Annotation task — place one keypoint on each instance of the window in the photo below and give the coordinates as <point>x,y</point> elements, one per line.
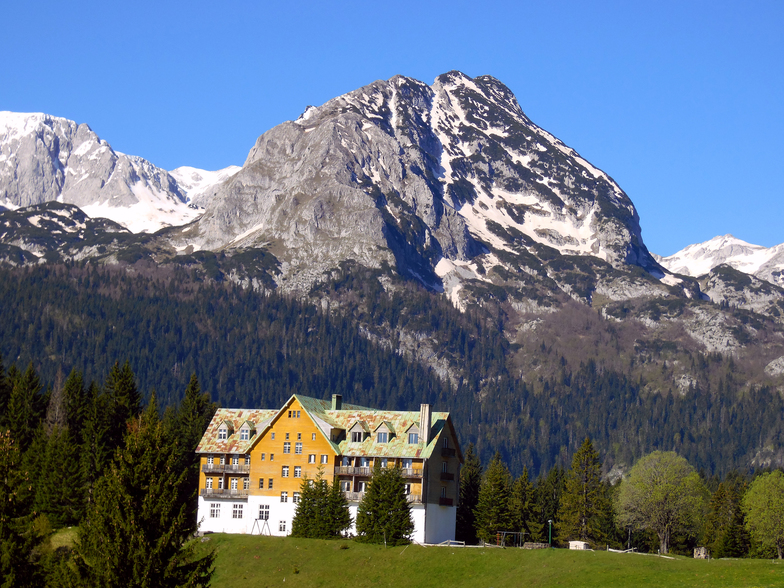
<point>356,436</point>
<point>244,434</point>
<point>297,414</point>
<point>287,436</point>
<point>297,472</point>
<point>324,459</point>
<point>443,491</point>
<point>313,437</point>
<point>246,483</point>
<point>361,486</point>
<point>210,459</point>
<point>446,441</point>
<point>220,483</point>
<point>247,460</point>
<point>298,448</point>
<point>408,464</point>
<point>289,414</point>
<point>272,457</point>
<point>272,435</point>
<point>284,496</point>
<point>346,461</point>
<point>413,438</point>
<point>407,489</point>
<point>263,456</point>
<point>299,436</point>
<point>234,483</point>
<point>222,433</point>
<point>384,462</point>
<point>282,526</point>
<point>287,447</point>
<point>215,510</point>
<point>444,466</point>
<point>261,483</point>
<point>264,512</point>
<point>285,472</point>
<point>295,498</point>
<point>209,483</point>
<point>269,486</point>
<point>236,511</point>
<point>383,437</point>
<point>364,462</point>
<point>235,460</point>
<point>345,485</point>
<point>312,458</point>
<point>223,460</point>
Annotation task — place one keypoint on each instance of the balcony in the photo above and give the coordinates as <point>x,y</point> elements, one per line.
<point>417,498</point>
<point>446,476</point>
<point>445,501</point>
<point>411,473</point>
<point>353,471</point>
<point>447,452</point>
<point>223,493</point>
<point>228,468</point>
<point>357,496</point>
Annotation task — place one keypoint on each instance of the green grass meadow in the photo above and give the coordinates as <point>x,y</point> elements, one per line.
<point>253,561</point>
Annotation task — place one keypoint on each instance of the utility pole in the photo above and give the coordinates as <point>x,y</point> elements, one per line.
<point>550,522</point>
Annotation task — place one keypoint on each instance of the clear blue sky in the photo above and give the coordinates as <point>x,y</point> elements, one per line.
<point>681,102</point>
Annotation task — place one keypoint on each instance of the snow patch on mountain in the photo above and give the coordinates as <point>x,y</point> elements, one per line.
<point>196,183</point>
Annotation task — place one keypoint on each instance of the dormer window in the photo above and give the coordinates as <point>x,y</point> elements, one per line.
<point>413,438</point>
<point>356,436</point>
<point>223,434</point>
<point>382,437</point>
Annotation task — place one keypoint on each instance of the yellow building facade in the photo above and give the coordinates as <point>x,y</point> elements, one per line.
<point>253,463</point>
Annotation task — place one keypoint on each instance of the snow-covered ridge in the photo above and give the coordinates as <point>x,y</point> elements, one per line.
<point>698,259</point>
<point>45,158</point>
<point>195,182</point>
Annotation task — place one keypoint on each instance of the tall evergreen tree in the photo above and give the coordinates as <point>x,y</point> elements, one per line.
<point>492,508</point>
<point>96,450</point>
<point>522,506</point>
<point>194,414</point>
<point>725,534</point>
<point>123,401</point>
<point>548,499</point>
<point>584,507</point>
<point>75,400</point>
<point>384,515</point>
<point>24,407</point>
<point>59,491</point>
<point>322,511</point>
<point>470,483</point>
<point>17,539</point>
<point>5,391</point>
<point>136,531</point>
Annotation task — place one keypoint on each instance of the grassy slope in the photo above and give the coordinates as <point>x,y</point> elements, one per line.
<point>265,561</point>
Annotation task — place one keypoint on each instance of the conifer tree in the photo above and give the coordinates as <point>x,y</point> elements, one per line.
<point>725,535</point>
<point>24,407</point>
<point>322,511</point>
<point>75,402</point>
<point>548,498</point>
<point>59,487</point>
<point>383,514</point>
<point>96,451</point>
<point>492,507</point>
<point>522,506</point>
<point>194,414</point>
<point>17,539</point>
<point>470,483</point>
<point>5,391</point>
<point>123,401</point>
<point>136,531</point>
<point>584,507</point>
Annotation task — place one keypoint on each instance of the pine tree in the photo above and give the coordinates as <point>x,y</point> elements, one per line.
<point>384,515</point>
<point>725,535</point>
<point>75,402</point>
<point>123,401</point>
<point>17,539</point>
<point>194,414</point>
<point>584,507</point>
<point>136,531</point>
<point>322,511</point>
<point>470,483</point>
<point>59,486</point>
<point>548,498</point>
<point>24,407</point>
<point>95,449</point>
<point>522,506</point>
<point>5,391</point>
<point>492,508</point>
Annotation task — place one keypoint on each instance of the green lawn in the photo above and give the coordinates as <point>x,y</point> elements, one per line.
<point>251,561</point>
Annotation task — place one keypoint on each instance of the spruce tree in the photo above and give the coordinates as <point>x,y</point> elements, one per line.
<point>384,515</point>
<point>75,401</point>
<point>522,506</point>
<point>5,391</point>
<point>584,506</point>
<point>24,407</point>
<point>136,532</point>
<point>95,449</point>
<point>470,483</point>
<point>59,486</point>
<point>725,535</point>
<point>123,401</point>
<point>492,508</point>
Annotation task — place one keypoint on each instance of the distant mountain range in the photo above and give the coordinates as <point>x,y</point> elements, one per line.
<point>418,193</point>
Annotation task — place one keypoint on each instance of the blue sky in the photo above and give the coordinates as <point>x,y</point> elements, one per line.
<point>680,102</point>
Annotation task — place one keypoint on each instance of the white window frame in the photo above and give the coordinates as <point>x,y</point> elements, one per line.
<point>208,484</point>
<point>295,498</point>
<point>284,472</point>
<point>297,471</point>
<point>312,458</point>
<point>220,483</point>
<point>215,510</point>
<point>234,483</point>
<point>413,438</point>
<point>282,526</point>
<point>286,447</point>
<point>324,458</point>
<point>246,483</point>
<point>264,512</point>
<point>237,511</point>
<point>298,448</point>
<point>382,437</point>
<point>284,496</point>
<point>223,434</point>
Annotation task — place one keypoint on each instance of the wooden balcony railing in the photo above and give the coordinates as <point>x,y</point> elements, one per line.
<point>357,496</point>
<point>353,471</point>
<point>227,468</point>
<point>446,476</point>
<point>445,501</point>
<point>411,472</point>
<point>224,493</point>
<point>447,452</point>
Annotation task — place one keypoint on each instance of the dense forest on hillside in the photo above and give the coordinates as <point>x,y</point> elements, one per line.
<point>254,349</point>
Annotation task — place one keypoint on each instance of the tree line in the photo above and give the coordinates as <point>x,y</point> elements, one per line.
<point>662,504</point>
<point>96,457</point>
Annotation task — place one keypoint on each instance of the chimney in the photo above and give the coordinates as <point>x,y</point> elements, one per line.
<point>424,424</point>
<point>337,402</point>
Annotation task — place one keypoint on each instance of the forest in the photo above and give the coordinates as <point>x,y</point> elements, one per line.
<point>255,348</point>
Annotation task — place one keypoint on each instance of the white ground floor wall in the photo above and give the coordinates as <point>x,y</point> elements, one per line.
<point>432,523</point>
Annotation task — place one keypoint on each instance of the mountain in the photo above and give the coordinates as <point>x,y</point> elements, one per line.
<point>699,259</point>
<point>45,158</point>
<point>198,184</point>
